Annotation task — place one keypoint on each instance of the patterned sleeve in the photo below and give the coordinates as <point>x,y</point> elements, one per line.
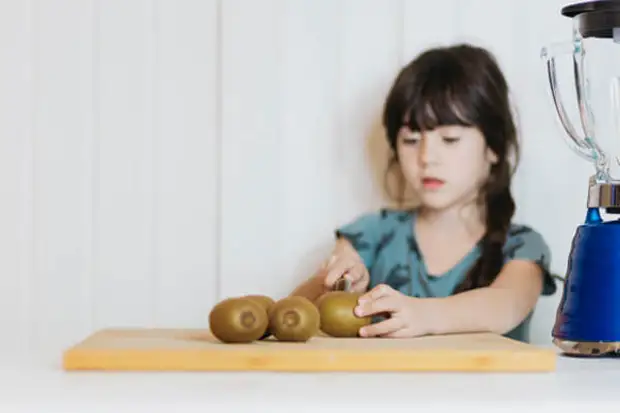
<point>524,243</point>
<point>363,233</point>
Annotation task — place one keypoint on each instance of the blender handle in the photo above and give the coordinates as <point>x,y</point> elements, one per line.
<point>584,147</point>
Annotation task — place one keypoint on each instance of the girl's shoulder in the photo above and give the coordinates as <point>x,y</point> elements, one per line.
<point>521,237</point>
<point>523,242</point>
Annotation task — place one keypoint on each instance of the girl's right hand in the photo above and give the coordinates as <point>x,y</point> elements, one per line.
<point>345,261</point>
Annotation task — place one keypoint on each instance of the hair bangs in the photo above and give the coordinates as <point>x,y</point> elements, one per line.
<point>440,103</point>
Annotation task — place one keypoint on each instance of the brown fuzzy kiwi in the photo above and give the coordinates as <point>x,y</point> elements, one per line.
<point>267,302</point>
<point>337,316</point>
<point>294,318</point>
<point>238,320</point>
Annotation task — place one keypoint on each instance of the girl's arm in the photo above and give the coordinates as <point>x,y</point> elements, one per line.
<point>313,287</point>
<point>498,308</point>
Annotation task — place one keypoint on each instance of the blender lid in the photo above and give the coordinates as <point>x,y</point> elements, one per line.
<point>590,6</point>
<point>598,19</point>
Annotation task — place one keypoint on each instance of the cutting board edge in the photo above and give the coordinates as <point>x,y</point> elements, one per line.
<point>345,360</point>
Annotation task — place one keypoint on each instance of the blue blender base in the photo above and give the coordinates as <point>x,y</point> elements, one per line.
<point>589,311</point>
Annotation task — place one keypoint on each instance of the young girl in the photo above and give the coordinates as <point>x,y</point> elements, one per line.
<point>456,262</point>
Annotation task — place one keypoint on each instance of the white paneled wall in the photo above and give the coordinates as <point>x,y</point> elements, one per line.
<point>156,156</point>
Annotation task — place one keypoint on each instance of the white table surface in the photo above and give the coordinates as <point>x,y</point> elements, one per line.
<point>577,384</point>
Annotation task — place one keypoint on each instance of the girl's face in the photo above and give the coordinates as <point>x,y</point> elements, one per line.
<point>445,166</point>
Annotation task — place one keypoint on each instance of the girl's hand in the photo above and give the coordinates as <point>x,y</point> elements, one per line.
<point>407,316</point>
<point>346,261</point>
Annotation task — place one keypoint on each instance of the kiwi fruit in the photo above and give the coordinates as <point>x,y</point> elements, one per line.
<point>267,302</point>
<point>263,300</point>
<point>337,316</point>
<point>238,320</point>
<point>294,318</point>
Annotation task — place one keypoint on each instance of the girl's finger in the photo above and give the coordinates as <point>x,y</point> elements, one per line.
<point>338,268</point>
<point>381,290</point>
<point>389,326</point>
<point>360,286</point>
<point>385,304</point>
<point>328,262</point>
<point>357,273</point>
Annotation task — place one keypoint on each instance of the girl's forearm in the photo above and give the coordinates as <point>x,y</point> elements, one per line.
<point>312,288</point>
<point>489,309</point>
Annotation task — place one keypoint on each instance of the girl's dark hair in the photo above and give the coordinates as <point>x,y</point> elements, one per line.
<point>462,85</point>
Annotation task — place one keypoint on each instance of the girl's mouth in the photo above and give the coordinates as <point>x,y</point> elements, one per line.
<point>432,183</point>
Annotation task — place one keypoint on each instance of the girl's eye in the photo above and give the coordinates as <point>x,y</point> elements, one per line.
<point>410,141</point>
<point>450,139</point>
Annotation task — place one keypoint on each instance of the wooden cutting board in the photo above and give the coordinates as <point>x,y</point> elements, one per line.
<point>198,350</point>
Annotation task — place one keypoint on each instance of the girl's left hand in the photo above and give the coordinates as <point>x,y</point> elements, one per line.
<point>407,316</point>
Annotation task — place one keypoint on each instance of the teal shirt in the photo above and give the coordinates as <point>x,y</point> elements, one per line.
<point>385,240</point>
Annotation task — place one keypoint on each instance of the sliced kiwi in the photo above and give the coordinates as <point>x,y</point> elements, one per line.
<point>238,320</point>
<point>337,316</point>
<point>265,301</point>
<point>294,318</point>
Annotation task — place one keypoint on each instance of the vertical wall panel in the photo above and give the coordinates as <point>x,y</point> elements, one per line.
<point>186,145</point>
<point>61,290</point>
<point>252,178</point>
<point>370,49</point>
<point>123,189</point>
<point>428,24</point>
<point>311,135</point>
<point>16,110</point>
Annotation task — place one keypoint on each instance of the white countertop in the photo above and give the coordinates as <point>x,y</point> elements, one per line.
<point>577,384</point>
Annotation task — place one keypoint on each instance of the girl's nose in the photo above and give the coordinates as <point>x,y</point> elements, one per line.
<point>427,151</point>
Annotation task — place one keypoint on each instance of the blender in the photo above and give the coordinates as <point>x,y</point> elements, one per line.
<point>588,316</point>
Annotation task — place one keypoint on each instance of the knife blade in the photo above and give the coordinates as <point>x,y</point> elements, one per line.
<point>343,284</point>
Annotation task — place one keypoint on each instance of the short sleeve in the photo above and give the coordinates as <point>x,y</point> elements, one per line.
<point>524,243</point>
<point>363,234</point>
